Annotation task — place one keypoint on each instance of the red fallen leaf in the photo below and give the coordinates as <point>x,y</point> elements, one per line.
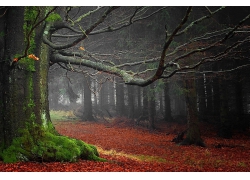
<point>15,59</point>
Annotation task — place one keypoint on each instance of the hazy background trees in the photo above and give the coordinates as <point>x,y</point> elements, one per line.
<point>208,66</point>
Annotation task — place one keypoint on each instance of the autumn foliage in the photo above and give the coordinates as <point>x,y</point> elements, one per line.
<point>135,149</point>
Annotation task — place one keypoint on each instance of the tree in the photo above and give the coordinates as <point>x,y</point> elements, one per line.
<point>87,111</point>
<point>168,114</point>
<point>36,37</point>
<point>27,133</point>
<point>193,133</point>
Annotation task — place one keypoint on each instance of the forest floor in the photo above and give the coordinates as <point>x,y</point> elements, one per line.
<point>136,149</point>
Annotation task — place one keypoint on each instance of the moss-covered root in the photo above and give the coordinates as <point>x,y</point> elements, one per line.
<point>48,148</point>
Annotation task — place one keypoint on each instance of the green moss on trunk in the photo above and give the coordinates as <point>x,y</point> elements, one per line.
<point>26,106</point>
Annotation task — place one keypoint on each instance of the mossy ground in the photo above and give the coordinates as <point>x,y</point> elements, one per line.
<point>43,146</point>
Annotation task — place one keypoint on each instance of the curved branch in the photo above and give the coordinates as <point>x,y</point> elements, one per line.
<point>161,67</point>
<point>46,37</point>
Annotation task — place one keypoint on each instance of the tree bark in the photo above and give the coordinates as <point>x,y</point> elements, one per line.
<point>131,106</point>
<point>87,111</point>
<point>139,100</point>
<point>201,96</point>
<point>193,133</point>
<point>151,107</point>
<point>27,133</point>
<point>168,114</point>
<point>225,125</point>
<point>120,105</point>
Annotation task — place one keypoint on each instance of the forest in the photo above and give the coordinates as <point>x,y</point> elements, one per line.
<point>124,89</point>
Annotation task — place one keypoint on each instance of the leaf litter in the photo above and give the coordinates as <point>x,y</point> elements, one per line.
<point>130,148</point>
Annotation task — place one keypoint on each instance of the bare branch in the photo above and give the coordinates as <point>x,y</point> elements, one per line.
<point>84,35</point>
<point>87,14</point>
<point>215,44</point>
<point>131,21</point>
<point>4,13</point>
<point>199,20</point>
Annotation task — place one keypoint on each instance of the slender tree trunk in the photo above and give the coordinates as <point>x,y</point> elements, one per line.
<point>120,106</point>
<point>216,101</point>
<point>131,106</point>
<point>241,121</point>
<point>168,113</point>
<point>95,104</point>
<point>111,94</point>
<point>151,107</point>
<point>87,111</point>
<point>209,97</point>
<point>139,99</point>
<point>201,96</point>
<point>193,133</point>
<point>161,96</point>
<point>225,129</point>
<point>145,110</point>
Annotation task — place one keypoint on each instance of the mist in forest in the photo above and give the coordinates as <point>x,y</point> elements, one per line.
<point>93,95</point>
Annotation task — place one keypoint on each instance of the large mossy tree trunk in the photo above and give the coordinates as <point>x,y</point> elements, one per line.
<point>193,133</point>
<point>27,133</point>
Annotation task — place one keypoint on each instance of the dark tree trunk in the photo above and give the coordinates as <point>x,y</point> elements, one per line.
<point>131,106</point>
<point>209,97</point>
<point>120,106</point>
<point>201,96</point>
<point>95,104</point>
<point>216,101</point>
<point>168,114</point>
<point>225,129</point>
<point>71,94</point>
<point>151,107</point>
<point>111,94</point>
<point>193,133</point>
<point>87,111</point>
<point>241,122</point>
<point>139,101</point>
<point>27,133</point>
<point>145,110</point>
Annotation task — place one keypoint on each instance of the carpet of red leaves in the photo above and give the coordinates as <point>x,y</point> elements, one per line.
<point>119,142</point>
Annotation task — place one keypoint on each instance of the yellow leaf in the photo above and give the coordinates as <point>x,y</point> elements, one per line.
<point>82,48</point>
<point>32,56</point>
